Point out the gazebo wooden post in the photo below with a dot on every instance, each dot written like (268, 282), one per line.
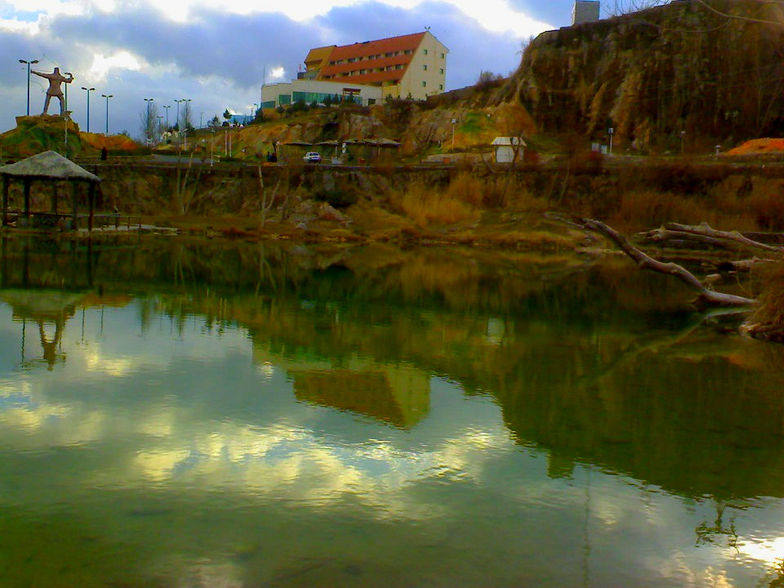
(91, 204)
(27, 182)
(75, 207)
(54, 197)
(6, 181)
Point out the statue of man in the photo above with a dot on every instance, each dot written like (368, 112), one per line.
(55, 81)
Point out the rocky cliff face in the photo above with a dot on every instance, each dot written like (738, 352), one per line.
(657, 73)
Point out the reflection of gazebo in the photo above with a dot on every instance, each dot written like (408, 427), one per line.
(52, 167)
(50, 309)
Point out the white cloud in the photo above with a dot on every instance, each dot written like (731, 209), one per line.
(103, 64)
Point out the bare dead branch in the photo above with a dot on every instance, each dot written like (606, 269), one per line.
(663, 235)
(705, 230)
(644, 261)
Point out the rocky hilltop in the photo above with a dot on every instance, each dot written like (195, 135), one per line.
(651, 75)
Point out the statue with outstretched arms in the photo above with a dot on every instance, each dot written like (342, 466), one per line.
(56, 79)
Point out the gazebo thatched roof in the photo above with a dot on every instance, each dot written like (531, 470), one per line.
(48, 165)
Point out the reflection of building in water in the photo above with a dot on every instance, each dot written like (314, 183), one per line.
(399, 395)
(49, 310)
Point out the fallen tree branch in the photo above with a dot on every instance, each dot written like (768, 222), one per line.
(644, 261)
(663, 235)
(705, 230)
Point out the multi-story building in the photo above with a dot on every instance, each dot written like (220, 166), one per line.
(405, 66)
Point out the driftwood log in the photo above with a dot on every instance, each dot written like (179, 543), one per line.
(706, 296)
(705, 231)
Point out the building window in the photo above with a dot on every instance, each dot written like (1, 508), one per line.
(424, 51)
(371, 101)
(442, 56)
(424, 68)
(441, 71)
(440, 86)
(424, 84)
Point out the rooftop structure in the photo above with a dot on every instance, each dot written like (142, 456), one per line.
(585, 11)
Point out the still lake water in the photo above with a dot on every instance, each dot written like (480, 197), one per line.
(196, 414)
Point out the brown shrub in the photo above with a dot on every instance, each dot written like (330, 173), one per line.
(467, 188)
(766, 204)
(642, 209)
(426, 205)
(770, 311)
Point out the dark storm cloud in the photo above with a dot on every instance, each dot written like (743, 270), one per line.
(238, 47)
(231, 46)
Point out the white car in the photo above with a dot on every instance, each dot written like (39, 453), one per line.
(312, 157)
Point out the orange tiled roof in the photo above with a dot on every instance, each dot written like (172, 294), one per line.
(368, 52)
(318, 55)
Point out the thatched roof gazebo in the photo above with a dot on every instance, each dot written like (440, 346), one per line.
(49, 166)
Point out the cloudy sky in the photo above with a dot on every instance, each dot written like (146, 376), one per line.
(217, 53)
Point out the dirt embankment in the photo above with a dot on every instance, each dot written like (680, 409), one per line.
(480, 205)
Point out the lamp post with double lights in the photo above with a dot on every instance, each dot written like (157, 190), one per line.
(166, 107)
(29, 63)
(88, 90)
(107, 96)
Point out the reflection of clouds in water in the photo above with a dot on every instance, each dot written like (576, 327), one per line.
(110, 366)
(266, 369)
(291, 462)
(766, 550)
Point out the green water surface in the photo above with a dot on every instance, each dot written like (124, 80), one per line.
(178, 413)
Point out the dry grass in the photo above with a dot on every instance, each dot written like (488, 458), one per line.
(467, 188)
(426, 205)
(639, 210)
(770, 311)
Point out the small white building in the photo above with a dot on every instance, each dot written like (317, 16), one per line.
(509, 149)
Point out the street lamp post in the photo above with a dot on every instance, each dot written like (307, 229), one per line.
(166, 107)
(88, 90)
(149, 122)
(29, 63)
(107, 96)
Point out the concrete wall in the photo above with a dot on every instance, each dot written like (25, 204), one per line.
(426, 74)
